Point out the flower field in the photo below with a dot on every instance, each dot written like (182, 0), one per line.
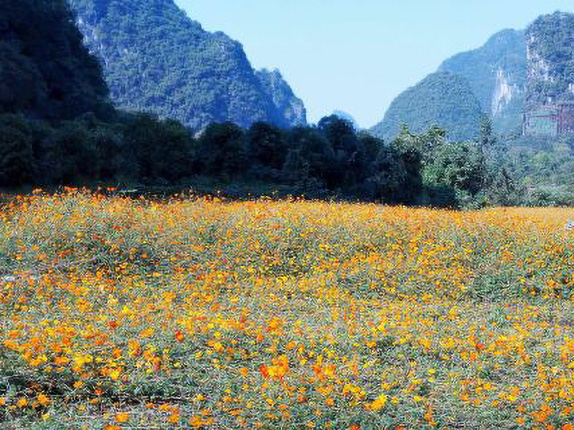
(195, 313)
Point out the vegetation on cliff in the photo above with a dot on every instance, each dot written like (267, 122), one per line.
(156, 59)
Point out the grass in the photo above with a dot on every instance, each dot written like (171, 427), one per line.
(118, 313)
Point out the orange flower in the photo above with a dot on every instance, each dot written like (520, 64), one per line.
(122, 417)
(179, 336)
(174, 418)
(196, 422)
(43, 399)
(61, 361)
(264, 371)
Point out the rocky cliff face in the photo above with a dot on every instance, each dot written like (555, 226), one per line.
(157, 59)
(523, 80)
(549, 109)
(286, 102)
(497, 74)
(504, 93)
(550, 53)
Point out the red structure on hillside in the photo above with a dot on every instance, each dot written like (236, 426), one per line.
(550, 120)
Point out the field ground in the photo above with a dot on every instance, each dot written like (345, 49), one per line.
(203, 314)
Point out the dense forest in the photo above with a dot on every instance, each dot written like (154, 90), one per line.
(47, 73)
(330, 160)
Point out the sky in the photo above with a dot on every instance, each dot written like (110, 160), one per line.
(358, 55)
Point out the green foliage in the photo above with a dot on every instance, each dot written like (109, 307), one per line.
(158, 60)
(542, 168)
(268, 149)
(442, 99)
(46, 72)
(459, 167)
(389, 176)
(72, 153)
(162, 149)
(222, 151)
(17, 164)
(310, 158)
(551, 41)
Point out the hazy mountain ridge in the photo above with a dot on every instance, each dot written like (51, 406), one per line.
(157, 59)
(443, 99)
(513, 73)
(497, 74)
(291, 108)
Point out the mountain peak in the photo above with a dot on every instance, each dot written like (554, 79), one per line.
(443, 99)
(155, 58)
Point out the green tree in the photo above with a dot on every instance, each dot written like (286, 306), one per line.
(223, 152)
(458, 166)
(17, 163)
(389, 176)
(45, 69)
(267, 150)
(162, 149)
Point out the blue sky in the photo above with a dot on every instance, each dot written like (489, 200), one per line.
(357, 55)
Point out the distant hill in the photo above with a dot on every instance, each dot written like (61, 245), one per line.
(442, 99)
(157, 59)
(523, 80)
(46, 73)
(497, 74)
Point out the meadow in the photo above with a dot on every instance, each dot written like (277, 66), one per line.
(197, 313)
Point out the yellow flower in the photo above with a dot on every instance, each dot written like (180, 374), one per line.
(379, 403)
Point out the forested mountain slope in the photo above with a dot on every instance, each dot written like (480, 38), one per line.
(442, 99)
(157, 59)
(46, 73)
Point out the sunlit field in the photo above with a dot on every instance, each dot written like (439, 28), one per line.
(196, 313)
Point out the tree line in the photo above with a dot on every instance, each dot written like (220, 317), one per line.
(328, 160)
